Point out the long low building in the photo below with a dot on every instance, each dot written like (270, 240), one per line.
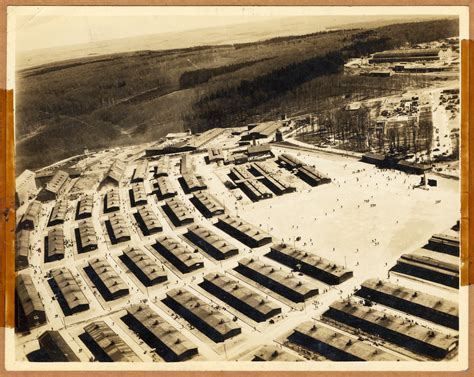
(310, 264)
(178, 212)
(211, 243)
(163, 188)
(246, 301)
(70, 296)
(177, 254)
(243, 231)
(137, 195)
(290, 161)
(393, 329)
(115, 173)
(445, 243)
(211, 322)
(111, 201)
(110, 285)
(161, 168)
(207, 204)
(86, 237)
(58, 213)
(270, 352)
(84, 207)
(54, 245)
(143, 267)
(275, 184)
(250, 185)
(430, 265)
(312, 176)
(147, 221)
(31, 217)
(54, 187)
(336, 346)
(192, 183)
(55, 349)
(117, 229)
(22, 249)
(158, 334)
(423, 305)
(106, 345)
(276, 280)
(215, 155)
(140, 173)
(29, 307)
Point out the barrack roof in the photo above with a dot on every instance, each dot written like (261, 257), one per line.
(55, 241)
(311, 259)
(87, 233)
(212, 238)
(140, 259)
(162, 330)
(111, 279)
(244, 227)
(345, 343)
(183, 254)
(426, 300)
(205, 312)
(69, 288)
(28, 295)
(240, 292)
(272, 272)
(208, 201)
(397, 324)
(110, 343)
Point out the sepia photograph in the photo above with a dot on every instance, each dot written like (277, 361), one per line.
(237, 188)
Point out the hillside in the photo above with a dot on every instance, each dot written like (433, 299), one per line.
(132, 97)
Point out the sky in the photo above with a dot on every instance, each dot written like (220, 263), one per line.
(48, 27)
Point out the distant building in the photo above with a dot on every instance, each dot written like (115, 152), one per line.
(413, 55)
(266, 130)
(25, 187)
(259, 152)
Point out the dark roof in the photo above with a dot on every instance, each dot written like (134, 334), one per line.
(33, 212)
(426, 300)
(110, 343)
(241, 293)
(111, 279)
(311, 259)
(162, 330)
(119, 227)
(205, 312)
(28, 295)
(140, 259)
(244, 227)
(70, 289)
(345, 343)
(396, 324)
(55, 241)
(270, 352)
(56, 347)
(272, 272)
(87, 233)
(58, 180)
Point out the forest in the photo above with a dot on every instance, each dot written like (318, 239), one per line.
(129, 98)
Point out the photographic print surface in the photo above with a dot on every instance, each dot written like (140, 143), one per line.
(237, 188)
